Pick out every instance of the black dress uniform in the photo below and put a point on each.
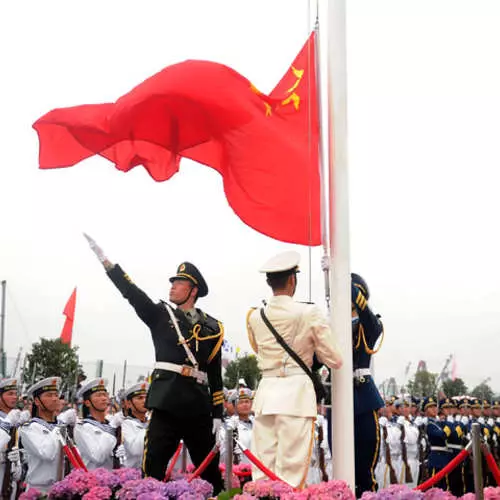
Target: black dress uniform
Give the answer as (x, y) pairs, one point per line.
(367, 399)
(182, 405)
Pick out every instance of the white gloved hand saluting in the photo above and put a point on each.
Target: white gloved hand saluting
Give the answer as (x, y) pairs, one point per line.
(217, 423)
(116, 420)
(67, 417)
(98, 251)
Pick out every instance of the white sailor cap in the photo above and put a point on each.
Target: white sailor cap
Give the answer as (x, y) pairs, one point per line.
(46, 385)
(242, 394)
(135, 390)
(95, 385)
(284, 261)
(8, 384)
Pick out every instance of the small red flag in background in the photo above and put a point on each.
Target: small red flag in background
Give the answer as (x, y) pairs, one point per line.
(264, 146)
(69, 312)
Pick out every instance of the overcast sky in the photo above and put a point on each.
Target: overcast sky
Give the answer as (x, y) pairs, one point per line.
(424, 128)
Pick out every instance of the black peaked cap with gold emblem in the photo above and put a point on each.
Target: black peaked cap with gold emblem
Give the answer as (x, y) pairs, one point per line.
(189, 272)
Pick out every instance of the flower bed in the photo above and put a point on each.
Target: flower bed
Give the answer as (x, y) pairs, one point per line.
(122, 484)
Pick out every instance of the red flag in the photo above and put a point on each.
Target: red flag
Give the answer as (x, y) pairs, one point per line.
(69, 312)
(264, 146)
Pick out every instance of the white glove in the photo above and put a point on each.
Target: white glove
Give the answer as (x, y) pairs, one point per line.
(217, 422)
(95, 248)
(120, 452)
(419, 421)
(425, 420)
(24, 417)
(13, 417)
(400, 420)
(231, 423)
(458, 418)
(464, 420)
(117, 420)
(481, 420)
(491, 422)
(14, 455)
(67, 417)
(450, 419)
(382, 421)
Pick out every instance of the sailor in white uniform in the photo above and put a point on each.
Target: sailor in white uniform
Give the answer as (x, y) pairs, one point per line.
(10, 420)
(41, 438)
(285, 401)
(241, 423)
(135, 423)
(95, 436)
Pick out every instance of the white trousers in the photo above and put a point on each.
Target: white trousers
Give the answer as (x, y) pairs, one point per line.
(284, 445)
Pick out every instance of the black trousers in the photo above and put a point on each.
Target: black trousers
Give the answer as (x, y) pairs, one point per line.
(163, 436)
(367, 447)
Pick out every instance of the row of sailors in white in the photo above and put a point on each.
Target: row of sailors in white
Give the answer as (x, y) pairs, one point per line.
(393, 434)
(95, 435)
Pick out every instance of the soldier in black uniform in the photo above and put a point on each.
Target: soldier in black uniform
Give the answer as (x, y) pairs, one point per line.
(186, 395)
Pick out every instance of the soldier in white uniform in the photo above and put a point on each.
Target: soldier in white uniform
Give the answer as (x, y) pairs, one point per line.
(410, 445)
(285, 401)
(135, 423)
(241, 423)
(41, 438)
(95, 437)
(389, 462)
(10, 420)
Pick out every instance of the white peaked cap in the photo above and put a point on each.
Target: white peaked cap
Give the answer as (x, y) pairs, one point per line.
(284, 261)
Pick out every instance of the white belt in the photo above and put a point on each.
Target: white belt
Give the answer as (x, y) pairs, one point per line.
(455, 446)
(439, 448)
(286, 371)
(184, 370)
(362, 372)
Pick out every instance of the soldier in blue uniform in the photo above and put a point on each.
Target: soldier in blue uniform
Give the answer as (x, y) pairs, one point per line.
(438, 433)
(455, 443)
(186, 394)
(366, 329)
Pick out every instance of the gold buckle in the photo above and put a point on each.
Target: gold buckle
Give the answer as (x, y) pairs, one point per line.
(187, 371)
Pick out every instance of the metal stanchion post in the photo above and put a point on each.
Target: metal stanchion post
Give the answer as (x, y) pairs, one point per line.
(476, 461)
(184, 458)
(229, 457)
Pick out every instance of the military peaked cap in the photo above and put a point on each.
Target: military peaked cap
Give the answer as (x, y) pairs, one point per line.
(189, 272)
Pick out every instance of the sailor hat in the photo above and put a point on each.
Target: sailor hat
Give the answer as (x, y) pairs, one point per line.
(8, 384)
(284, 261)
(135, 390)
(46, 385)
(95, 385)
(244, 394)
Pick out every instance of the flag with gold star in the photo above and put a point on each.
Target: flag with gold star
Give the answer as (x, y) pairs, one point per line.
(265, 146)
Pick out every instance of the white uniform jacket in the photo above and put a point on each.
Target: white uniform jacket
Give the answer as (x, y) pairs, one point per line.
(285, 389)
(133, 432)
(43, 453)
(96, 442)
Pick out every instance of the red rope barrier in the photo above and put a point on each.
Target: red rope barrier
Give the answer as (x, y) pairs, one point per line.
(173, 461)
(269, 473)
(205, 463)
(443, 472)
(492, 465)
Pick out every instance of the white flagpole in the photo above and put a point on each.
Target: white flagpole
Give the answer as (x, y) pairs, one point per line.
(340, 278)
